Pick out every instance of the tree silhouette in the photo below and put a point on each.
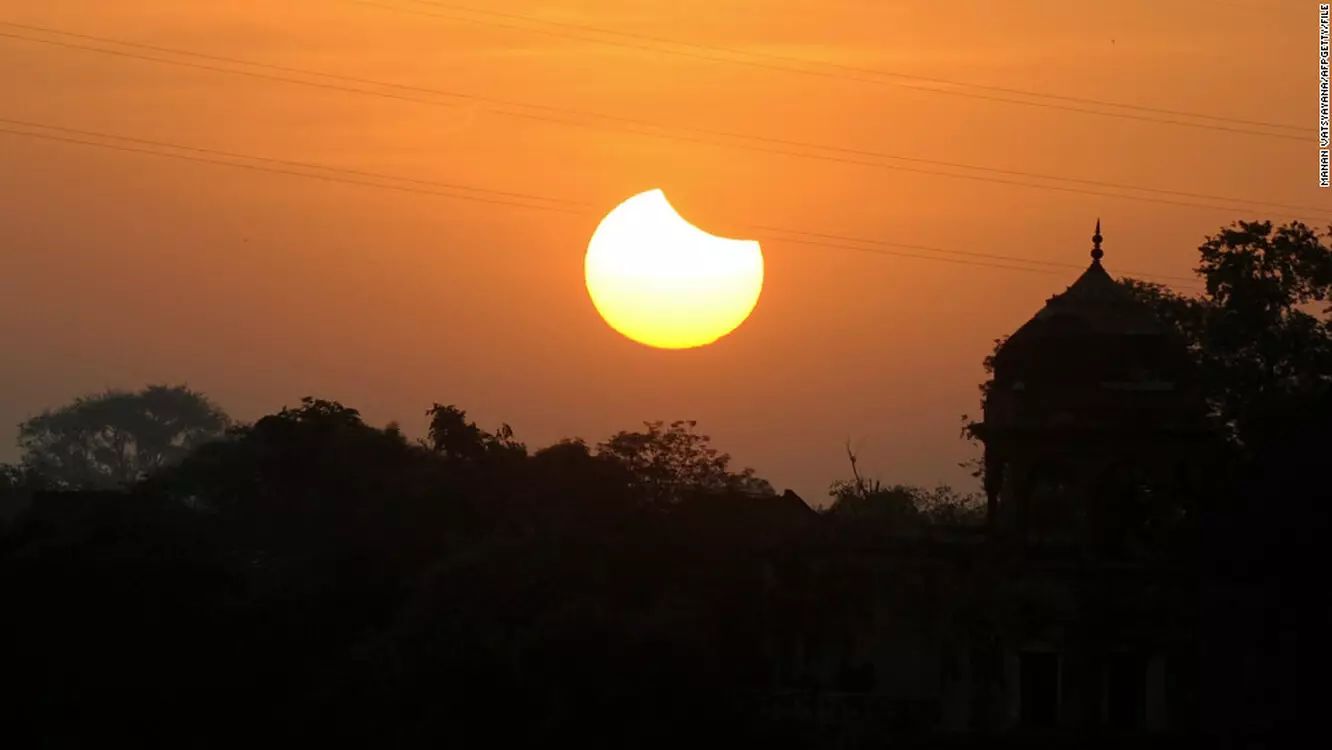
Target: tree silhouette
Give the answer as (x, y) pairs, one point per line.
(14, 477)
(314, 471)
(862, 500)
(452, 436)
(1257, 336)
(570, 487)
(670, 462)
(116, 438)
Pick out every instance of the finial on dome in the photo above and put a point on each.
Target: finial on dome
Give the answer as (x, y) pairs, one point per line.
(1096, 252)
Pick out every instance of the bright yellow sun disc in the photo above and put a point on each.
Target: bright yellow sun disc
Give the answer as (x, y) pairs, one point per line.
(665, 283)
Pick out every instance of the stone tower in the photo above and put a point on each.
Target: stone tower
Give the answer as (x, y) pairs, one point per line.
(1090, 419)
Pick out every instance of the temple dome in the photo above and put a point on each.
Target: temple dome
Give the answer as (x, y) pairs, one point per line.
(1095, 303)
(1094, 319)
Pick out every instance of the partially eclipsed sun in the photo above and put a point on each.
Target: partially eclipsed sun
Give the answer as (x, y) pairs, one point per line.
(663, 282)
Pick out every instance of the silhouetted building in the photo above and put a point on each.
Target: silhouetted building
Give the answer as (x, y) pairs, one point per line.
(1093, 427)
(1092, 403)
(1064, 616)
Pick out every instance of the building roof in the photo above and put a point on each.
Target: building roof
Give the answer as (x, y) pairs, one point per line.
(1094, 303)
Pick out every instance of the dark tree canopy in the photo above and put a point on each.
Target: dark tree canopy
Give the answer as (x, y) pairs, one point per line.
(869, 502)
(452, 436)
(320, 449)
(116, 438)
(873, 501)
(670, 462)
(1259, 339)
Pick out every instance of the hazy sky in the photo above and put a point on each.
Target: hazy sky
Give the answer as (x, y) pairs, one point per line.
(118, 269)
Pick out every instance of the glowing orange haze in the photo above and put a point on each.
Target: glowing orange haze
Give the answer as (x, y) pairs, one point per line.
(119, 269)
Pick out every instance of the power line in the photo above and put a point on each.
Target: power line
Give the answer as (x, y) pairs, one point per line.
(633, 126)
(856, 69)
(1248, 7)
(155, 148)
(302, 165)
(844, 238)
(290, 172)
(1304, 131)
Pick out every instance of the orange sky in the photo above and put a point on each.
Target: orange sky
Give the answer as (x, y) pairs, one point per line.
(120, 269)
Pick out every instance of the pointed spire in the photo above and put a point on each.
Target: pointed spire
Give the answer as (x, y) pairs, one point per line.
(1096, 252)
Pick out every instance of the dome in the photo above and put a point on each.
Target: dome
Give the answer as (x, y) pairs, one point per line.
(1098, 304)
(1097, 323)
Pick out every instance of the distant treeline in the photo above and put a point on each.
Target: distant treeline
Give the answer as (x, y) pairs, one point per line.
(311, 576)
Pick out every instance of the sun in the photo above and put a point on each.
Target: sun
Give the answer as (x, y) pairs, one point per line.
(663, 282)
